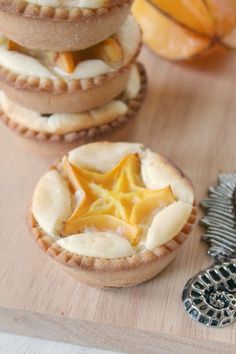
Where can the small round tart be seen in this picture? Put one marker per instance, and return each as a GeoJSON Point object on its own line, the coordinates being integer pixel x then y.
{"type": "Point", "coordinates": [61, 25]}
{"type": "Point", "coordinates": [73, 82]}
{"type": "Point", "coordinates": [67, 127]}
{"type": "Point", "coordinates": [114, 214]}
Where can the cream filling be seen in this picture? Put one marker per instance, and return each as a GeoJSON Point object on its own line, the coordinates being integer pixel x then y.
{"type": "Point", "coordinates": [167, 224]}
{"type": "Point", "coordinates": [97, 244]}
{"type": "Point", "coordinates": [110, 154]}
{"type": "Point", "coordinates": [87, 69]}
{"type": "Point", "coordinates": [133, 86]}
{"type": "Point", "coordinates": [22, 64]}
{"type": "Point", "coordinates": [159, 173]}
{"type": "Point", "coordinates": [89, 4]}
{"type": "Point", "coordinates": [51, 202]}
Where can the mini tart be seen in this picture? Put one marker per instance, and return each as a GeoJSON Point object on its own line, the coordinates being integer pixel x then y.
{"type": "Point", "coordinates": [82, 126]}
{"type": "Point", "coordinates": [49, 25]}
{"type": "Point", "coordinates": [31, 83]}
{"type": "Point", "coordinates": [113, 214]}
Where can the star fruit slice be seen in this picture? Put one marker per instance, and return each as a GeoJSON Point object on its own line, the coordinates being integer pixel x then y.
{"type": "Point", "coordinates": [116, 200]}
{"type": "Point", "coordinates": [192, 14]}
{"type": "Point", "coordinates": [166, 37]}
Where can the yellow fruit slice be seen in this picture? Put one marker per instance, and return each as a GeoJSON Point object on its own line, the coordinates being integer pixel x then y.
{"type": "Point", "coordinates": [66, 62]}
{"type": "Point", "coordinates": [192, 14]}
{"type": "Point", "coordinates": [115, 200]}
{"type": "Point", "coordinates": [224, 15]}
{"type": "Point", "coordinates": [166, 37]}
{"type": "Point", "coordinates": [102, 223]}
{"type": "Point", "coordinates": [110, 51]}
{"type": "Point", "coordinates": [14, 46]}
{"type": "Point", "coordinates": [86, 196]}
{"type": "Point", "coordinates": [157, 199]}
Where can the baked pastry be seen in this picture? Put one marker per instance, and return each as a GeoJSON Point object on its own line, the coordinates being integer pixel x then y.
{"type": "Point", "coordinates": [114, 214]}
{"type": "Point", "coordinates": [68, 127]}
{"type": "Point", "coordinates": [49, 82]}
{"type": "Point", "coordinates": [61, 26]}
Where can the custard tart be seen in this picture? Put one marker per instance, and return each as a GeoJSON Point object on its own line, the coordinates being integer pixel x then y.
{"type": "Point", "coordinates": [67, 127]}
{"type": "Point", "coordinates": [72, 82]}
{"type": "Point", "coordinates": [58, 25]}
{"type": "Point", "coordinates": [113, 214]}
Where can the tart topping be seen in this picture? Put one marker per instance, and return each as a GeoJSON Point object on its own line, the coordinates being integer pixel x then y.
{"type": "Point", "coordinates": [109, 51]}
{"type": "Point", "coordinates": [161, 231]}
{"type": "Point", "coordinates": [51, 202]}
{"type": "Point", "coordinates": [103, 58]}
{"type": "Point", "coordinates": [66, 61]}
{"type": "Point", "coordinates": [116, 200]}
{"type": "Point", "coordinates": [98, 244]}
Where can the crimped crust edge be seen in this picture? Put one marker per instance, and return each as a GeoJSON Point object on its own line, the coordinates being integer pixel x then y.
{"type": "Point", "coordinates": [85, 134]}
{"type": "Point", "coordinates": [35, 11]}
{"type": "Point", "coordinates": [81, 262]}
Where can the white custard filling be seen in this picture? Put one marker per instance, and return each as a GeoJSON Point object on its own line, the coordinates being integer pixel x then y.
{"type": "Point", "coordinates": [62, 123]}
{"type": "Point", "coordinates": [51, 202]}
{"type": "Point", "coordinates": [88, 4]}
{"type": "Point", "coordinates": [97, 244]}
{"type": "Point", "coordinates": [165, 223]}
{"type": "Point", "coordinates": [23, 64]}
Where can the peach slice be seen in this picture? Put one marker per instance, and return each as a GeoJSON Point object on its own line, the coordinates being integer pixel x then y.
{"type": "Point", "coordinates": [166, 37]}
{"type": "Point", "coordinates": [223, 13]}
{"type": "Point", "coordinates": [77, 184]}
{"type": "Point", "coordinates": [194, 15]}
{"type": "Point", "coordinates": [157, 199]}
{"type": "Point", "coordinates": [14, 46]}
{"type": "Point", "coordinates": [66, 61]}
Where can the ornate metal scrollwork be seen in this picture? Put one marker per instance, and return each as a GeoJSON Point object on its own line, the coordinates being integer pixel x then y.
{"type": "Point", "coordinates": [208, 297]}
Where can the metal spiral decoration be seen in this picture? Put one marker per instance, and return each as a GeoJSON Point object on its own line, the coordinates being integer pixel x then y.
{"type": "Point", "coordinates": [209, 297]}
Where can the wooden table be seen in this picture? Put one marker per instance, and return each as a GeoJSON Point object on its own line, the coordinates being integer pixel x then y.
{"type": "Point", "coordinates": [15, 344]}
{"type": "Point", "coordinates": [190, 116]}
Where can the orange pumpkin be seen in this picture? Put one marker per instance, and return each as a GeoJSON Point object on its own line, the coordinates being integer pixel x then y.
{"type": "Point", "coordinates": [181, 29]}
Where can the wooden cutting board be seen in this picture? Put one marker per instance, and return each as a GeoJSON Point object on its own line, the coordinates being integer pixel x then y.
{"type": "Point", "coordinates": [189, 115]}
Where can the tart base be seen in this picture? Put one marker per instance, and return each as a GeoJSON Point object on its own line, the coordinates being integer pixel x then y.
{"type": "Point", "coordinates": [60, 29]}
{"type": "Point", "coordinates": [72, 100]}
{"type": "Point", "coordinates": [114, 273]}
{"type": "Point", "coordinates": [87, 134]}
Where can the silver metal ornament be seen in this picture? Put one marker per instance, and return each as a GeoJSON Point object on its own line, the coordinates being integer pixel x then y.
{"type": "Point", "coordinates": [209, 297]}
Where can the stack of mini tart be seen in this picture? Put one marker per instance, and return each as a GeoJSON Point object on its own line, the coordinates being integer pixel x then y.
{"type": "Point", "coordinates": [113, 214]}
{"type": "Point", "coordinates": [67, 68]}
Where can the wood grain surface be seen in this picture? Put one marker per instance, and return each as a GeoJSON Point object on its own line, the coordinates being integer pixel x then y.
{"type": "Point", "coordinates": [190, 116]}
{"type": "Point", "coordinates": [14, 344]}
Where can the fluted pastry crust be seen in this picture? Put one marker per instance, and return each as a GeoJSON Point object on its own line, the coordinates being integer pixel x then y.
{"type": "Point", "coordinates": [50, 93]}
{"type": "Point", "coordinates": [85, 134]}
{"type": "Point", "coordinates": [32, 25]}
{"type": "Point", "coordinates": [141, 265]}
